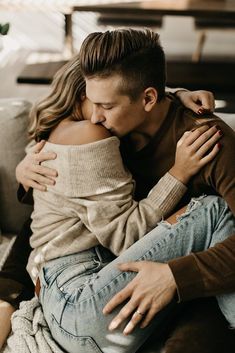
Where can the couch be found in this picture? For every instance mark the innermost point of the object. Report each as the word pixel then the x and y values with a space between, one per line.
pixel 13 139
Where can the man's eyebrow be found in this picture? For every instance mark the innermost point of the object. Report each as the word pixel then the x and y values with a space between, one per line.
pixel 104 103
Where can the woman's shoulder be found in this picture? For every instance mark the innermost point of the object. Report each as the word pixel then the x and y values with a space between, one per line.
pixel 78 133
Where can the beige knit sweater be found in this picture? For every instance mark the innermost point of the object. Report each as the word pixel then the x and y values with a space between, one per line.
pixel 92 203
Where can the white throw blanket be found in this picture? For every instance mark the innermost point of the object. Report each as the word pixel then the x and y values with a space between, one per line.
pixel 30 332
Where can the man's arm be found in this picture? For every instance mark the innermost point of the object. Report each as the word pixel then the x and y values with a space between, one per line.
pixel 196 277
pixel 207 273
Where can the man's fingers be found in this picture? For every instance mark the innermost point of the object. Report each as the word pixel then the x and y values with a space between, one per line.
pixel 130 266
pixel 45 156
pixel 37 148
pixel 137 317
pixel 46 171
pixel 149 316
pixel 117 299
pixel 126 312
pixel 38 186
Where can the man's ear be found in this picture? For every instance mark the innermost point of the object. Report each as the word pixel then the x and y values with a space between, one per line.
pixel 150 98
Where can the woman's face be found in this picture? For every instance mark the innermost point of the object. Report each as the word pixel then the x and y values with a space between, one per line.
pixel 86 108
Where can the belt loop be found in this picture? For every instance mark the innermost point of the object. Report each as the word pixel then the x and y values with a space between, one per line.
pixel 98 253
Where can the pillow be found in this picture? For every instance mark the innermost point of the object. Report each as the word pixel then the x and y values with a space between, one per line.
pixel 13 139
pixel 228 118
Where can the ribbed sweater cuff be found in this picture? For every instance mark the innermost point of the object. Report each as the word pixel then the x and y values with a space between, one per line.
pixel 187 277
pixel 167 193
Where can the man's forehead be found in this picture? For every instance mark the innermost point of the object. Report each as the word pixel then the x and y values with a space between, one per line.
pixel 100 90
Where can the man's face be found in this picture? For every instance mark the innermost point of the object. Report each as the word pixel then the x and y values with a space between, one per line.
pixel 112 109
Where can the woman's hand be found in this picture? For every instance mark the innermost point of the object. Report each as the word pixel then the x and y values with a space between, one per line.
pixel 200 102
pixel 194 150
pixel 30 172
pixel 145 297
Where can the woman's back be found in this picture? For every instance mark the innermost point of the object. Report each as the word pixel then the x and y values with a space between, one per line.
pixel 90 170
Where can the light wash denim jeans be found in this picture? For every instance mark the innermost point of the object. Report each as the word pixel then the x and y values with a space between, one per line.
pixel 75 288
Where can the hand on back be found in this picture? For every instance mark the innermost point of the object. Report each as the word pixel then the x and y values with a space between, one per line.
pixel 30 172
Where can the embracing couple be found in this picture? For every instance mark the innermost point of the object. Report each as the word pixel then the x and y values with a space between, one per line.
pixel 119 156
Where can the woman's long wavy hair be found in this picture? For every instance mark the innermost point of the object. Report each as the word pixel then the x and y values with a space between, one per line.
pixel 68 87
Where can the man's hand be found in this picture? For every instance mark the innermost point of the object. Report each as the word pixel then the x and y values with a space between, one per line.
pixel 200 102
pixel 149 292
pixel 30 173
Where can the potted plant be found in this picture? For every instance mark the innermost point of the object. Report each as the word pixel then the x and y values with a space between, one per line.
pixel 4 28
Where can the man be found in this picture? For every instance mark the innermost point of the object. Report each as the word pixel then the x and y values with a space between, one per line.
pixel 125 80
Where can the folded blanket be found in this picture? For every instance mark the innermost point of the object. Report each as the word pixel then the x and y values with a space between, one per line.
pixel 30 332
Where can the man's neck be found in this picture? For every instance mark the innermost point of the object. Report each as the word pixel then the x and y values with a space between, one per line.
pixel 141 136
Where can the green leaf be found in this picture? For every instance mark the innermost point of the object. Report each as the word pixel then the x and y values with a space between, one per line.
pixel 4 28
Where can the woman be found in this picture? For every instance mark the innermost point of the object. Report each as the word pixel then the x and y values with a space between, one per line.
pixel 62 127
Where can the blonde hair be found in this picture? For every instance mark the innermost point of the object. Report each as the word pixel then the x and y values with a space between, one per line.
pixel 68 86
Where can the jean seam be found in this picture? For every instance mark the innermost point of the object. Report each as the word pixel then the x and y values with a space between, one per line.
pixel 70 335
pixel 154 248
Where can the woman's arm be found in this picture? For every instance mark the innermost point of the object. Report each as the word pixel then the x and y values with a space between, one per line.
pixel 198 101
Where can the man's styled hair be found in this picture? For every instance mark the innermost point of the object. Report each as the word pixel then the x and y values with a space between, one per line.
pixel 135 55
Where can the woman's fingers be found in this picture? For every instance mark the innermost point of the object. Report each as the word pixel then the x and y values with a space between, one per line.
pixel 207 100
pixel 209 144
pixel 211 155
pixel 201 136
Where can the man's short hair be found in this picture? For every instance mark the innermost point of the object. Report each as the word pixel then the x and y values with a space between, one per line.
pixel 135 55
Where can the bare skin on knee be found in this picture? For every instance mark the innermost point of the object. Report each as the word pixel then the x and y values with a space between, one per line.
pixel 173 218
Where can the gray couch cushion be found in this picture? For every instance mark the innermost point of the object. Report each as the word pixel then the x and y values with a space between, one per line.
pixel 228 118
pixel 13 139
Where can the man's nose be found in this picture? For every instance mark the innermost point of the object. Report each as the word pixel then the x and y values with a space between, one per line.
pixel 97 116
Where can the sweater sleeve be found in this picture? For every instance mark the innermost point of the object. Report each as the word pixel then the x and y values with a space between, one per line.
pixel 119 221
pixel 212 271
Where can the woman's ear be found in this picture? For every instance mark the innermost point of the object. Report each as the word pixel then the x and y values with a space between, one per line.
pixel 150 98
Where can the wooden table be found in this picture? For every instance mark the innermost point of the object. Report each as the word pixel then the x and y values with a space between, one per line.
pixel 206 75
pixel 219 9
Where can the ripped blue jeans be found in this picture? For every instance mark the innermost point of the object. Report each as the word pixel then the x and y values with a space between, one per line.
pixel 75 288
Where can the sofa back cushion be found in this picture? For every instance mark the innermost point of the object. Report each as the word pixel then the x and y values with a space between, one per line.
pixel 13 139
